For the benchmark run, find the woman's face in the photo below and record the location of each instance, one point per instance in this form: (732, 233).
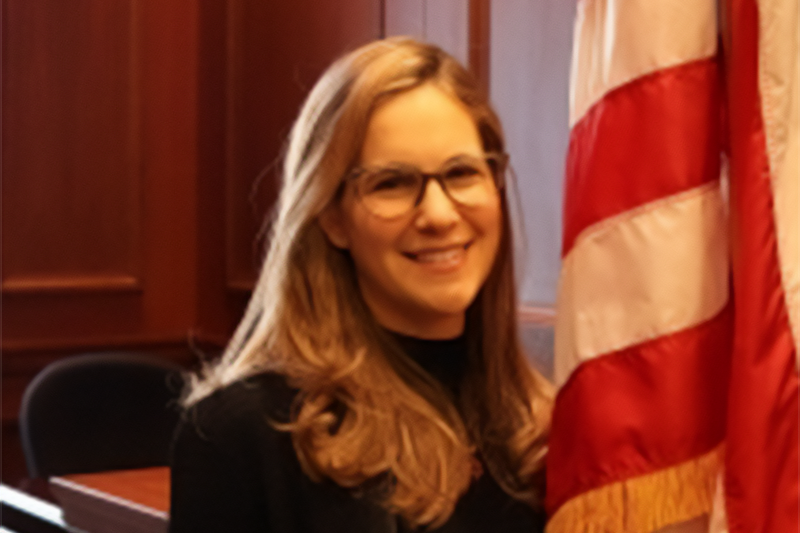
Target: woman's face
(420, 271)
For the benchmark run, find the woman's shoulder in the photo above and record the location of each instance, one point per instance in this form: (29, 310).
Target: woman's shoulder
(251, 406)
(267, 387)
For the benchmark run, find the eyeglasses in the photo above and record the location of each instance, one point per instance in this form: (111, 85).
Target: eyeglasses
(393, 191)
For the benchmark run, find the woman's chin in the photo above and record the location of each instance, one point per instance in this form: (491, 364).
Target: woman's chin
(448, 304)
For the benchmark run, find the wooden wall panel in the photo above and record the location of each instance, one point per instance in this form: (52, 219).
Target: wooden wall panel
(99, 184)
(99, 154)
(217, 310)
(277, 50)
(479, 40)
(71, 183)
(169, 51)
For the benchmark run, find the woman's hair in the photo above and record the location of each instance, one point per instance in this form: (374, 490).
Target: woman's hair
(365, 410)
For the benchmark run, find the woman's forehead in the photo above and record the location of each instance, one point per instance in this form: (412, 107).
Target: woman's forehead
(424, 126)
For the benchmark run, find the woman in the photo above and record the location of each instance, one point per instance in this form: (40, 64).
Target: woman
(376, 381)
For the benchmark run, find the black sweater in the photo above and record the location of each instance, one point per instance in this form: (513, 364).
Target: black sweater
(232, 471)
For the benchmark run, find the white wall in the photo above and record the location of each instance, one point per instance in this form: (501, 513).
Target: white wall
(441, 22)
(531, 42)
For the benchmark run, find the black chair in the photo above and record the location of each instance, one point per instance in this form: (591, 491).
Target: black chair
(103, 411)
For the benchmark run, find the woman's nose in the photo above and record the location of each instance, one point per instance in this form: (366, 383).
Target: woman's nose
(436, 209)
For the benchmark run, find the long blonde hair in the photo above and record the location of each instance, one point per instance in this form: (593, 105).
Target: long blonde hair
(365, 409)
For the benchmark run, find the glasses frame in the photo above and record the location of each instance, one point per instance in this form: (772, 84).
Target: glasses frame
(497, 162)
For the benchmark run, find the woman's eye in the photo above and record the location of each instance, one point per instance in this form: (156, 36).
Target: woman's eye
(391, 181)
(462, 171)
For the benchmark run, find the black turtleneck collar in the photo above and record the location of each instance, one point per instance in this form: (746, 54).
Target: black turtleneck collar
(445, 360)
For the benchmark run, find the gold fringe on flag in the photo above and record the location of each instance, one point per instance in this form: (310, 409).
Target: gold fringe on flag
(646, 503)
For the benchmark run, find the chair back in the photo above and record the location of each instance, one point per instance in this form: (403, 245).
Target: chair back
(101, 411)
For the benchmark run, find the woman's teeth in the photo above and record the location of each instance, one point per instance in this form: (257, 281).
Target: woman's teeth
(433, 257)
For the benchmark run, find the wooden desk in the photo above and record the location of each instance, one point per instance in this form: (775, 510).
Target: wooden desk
(125, 501)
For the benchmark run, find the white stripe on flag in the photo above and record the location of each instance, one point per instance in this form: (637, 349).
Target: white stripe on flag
(609, 34)
(779, 84)
(638, 276)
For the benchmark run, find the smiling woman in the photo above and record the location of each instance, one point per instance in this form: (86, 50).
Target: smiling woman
(419, 269)
(376, 381)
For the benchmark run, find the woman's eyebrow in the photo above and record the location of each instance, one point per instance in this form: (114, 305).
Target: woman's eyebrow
(462, 157)
(458, 158)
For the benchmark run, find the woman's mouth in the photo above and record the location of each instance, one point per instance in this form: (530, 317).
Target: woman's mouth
(446, 255)
(441, 256)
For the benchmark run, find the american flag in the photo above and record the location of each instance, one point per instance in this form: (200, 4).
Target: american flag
(679, 296)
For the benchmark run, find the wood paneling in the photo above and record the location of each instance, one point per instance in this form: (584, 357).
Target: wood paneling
(71, 181)
(99, 162)
(217, 311)
(133, 133)
(479, 38)
(276, 51)
(169, 56)
(99, 169)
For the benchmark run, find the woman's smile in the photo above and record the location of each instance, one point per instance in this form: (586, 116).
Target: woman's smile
(443, 259)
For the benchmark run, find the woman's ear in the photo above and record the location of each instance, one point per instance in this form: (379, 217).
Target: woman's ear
(330, 220)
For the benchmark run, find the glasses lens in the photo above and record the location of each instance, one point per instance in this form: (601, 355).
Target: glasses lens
(469, 181)
(390, 192)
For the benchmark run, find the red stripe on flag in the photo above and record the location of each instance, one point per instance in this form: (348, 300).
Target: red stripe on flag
(651, 138)
(639, 410)
(762, 477)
